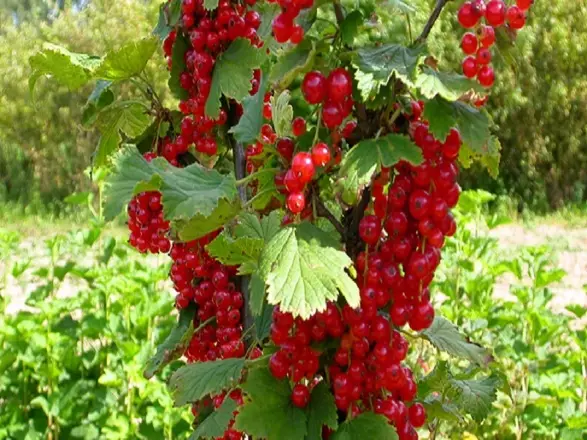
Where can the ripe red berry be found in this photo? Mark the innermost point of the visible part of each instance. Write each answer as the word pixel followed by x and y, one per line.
pixel 470 67
pixel 417 414
pixel 332 114
pixel 419 204
pixel 300 395
pixel 422 317
pixel 283 27
pixel 340 85
pixel 303 167
pixel 297 35
pixel 468 16
pixel 469 43
pixel 267 111
pixel 486 36
pixel 495 13
pixel 370 229
pixel 298 126
pixel 292 183
pixel 314 87
pixel 516 17
pixel 285 147
pixel 486 76
pixel 296 202
pixel 320 154
pixel 278 366
pixel 483 56
pixel 524 5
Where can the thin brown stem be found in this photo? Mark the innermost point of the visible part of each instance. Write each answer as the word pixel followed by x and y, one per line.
pixel 324 212
pixel 440 4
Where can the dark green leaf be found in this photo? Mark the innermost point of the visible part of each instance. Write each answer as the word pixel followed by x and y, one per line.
pixel 178 66
pixel 321 411
pixel 162 28
pixel 376 66
pixel 216 423
pixel 304 268
pixel 232 74
pixel 202 224
pixel 474 396
pixel 249 125
pixel 270 414
pixel 445 336
pixel 365 426
pixel 265 317
pixel 175 343
pixel 350 26
pixel 101 97
pixel 192 382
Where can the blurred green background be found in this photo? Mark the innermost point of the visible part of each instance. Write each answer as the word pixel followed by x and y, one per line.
pixel 539 102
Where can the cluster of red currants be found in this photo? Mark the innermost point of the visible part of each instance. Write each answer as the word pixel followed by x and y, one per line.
pixel 210 33
pixel 208 404
pixel 148 228
pixel 284 27
pixel 477 45
pixel 201 279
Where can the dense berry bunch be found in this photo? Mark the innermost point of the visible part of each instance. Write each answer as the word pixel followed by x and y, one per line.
pixel 482 18
pixel 148 228
pixel 284 26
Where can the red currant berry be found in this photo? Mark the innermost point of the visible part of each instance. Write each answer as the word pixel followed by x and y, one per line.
pixel 296 202
pixel 300 395
pixel 516 17
pixel 283 27
pixel 297 35
pixel 285 147
pixel 468 16
pixel 370 229
pixel 292 183
pixel 470 67
pixel 320 154
pixel 303 167
pixel 487 36
pixel 298 126
pixel 419 204
pixel 340 85
pixel 422 316
pixel 495 13
pixel 469 43
pixel 417 415
pixel 483 56
pixel 332 114
pixel 524 5
pixel 486 76
pixel 314 87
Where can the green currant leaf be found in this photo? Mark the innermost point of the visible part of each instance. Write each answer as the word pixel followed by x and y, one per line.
pixel 489 156
pixel 321 412
pixel 131 175
pixel 474 396
pixel 217 422
pixel 128 61
pixel 436 381
pixel 282 113
pixel 100 97
pixel 162 28
pixel 368 156
pixel 175 344
pixel 440 117
pixel 293 64
pixel 202 224
pixel 445 336
pixel 180 47
pixel 249 125
pixel 473 125
pixel 67 68
pixel 267 190
pixel 366 426
pixel 270 413
pixel 249 225
pixel 124 117
pixel 210 5
pixel 450 86
pixel 265 316
pixel 402 6
pixel 233 73
pixel 303 268
pixel 349 28
pixel 257 292
pixel 376 66
pixel 234 252
pixel 437 409
pixel 194 381
pixel 268 12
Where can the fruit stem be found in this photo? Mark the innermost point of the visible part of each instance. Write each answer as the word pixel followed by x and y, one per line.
pixel 256 175
pixel 440 4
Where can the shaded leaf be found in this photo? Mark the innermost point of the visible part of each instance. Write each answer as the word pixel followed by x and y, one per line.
pixel 249 125
pixel 217 422
pixel 175 344
pixel 192 382
pixel 321 411
pixel 292 64
pixel 180 47
pixel 451 86
pixel 365 426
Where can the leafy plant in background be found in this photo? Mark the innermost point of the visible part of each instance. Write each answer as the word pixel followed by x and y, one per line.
pixel 72 365
pixel 292 324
